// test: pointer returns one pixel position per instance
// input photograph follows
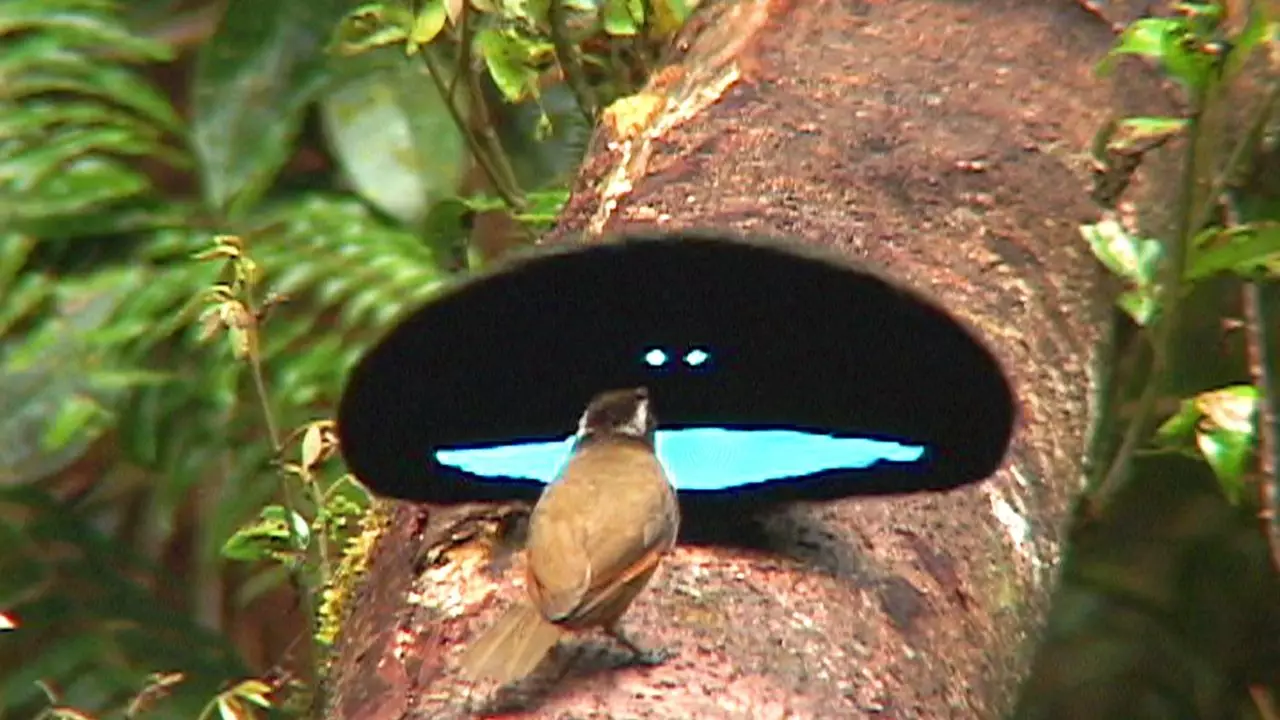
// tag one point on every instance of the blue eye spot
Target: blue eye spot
(696, 357)
(655, 358)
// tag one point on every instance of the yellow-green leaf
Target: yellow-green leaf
(427, 25)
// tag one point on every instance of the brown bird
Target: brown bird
(596, 536)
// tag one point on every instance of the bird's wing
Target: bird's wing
(595, 529)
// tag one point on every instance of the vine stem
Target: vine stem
(1190, 222)
(478, 151)
(570, 64)
(277, 447)
(505, 175)
(296, 574)
(1165, 333)
(1259, 344)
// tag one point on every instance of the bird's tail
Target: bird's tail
(513, 647)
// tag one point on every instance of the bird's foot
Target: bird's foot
(641, 654)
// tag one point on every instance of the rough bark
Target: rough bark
(941, 141)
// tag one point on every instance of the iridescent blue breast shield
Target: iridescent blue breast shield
(776, 373)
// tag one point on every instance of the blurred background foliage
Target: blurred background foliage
(362, 153)
(355, 149)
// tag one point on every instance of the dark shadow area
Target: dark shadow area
(792, 338)
(785, 531)
(788, 531)
(577, 658)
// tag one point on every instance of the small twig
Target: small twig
(570, 64)
(322, 537)
(1258, 335)
(466, 36)
(505, 176)
(468, 134)
(260, 386)
(291, 502)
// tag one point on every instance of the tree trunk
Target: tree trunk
(940, 141)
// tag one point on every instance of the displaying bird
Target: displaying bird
(596, 536)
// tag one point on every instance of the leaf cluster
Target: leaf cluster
(1227, 223)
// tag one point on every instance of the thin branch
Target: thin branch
(1166, 331)
(466, 34)
(300, 587)
(468, 133)
(260, 386)
(505, 176)
(570, 63)
(1258, 333)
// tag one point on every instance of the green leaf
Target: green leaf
(1228, 434)
(78, 417)
(395, 139)
(1188, 65)
(62, 148)
(254, 690)
(1172, 43)
(669, 16)
(1231, 408)
(446, 230)
(33, 120)
(1228, 455)
(623, 18)
(544, 206)
(508, 57)
(1242, 249)
(89, 25)
(38, 65)
(1145, 37)
(531, 13)
(253, 82)
(1140, 304)
(1181, 425)
(427, 25)
(370, 26)
(484, 203)
(269, 537)
(54, 401)
(83, 186)
(1143, 131)
(1132, 258)
(71, 111)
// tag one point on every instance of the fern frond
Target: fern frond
(73, 109)
(87, 625)
(347, 276)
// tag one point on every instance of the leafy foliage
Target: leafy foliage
(1225, 225)
(73, 111)
(132, 449)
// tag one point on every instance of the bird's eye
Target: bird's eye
(655, 358)
(696, 357)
